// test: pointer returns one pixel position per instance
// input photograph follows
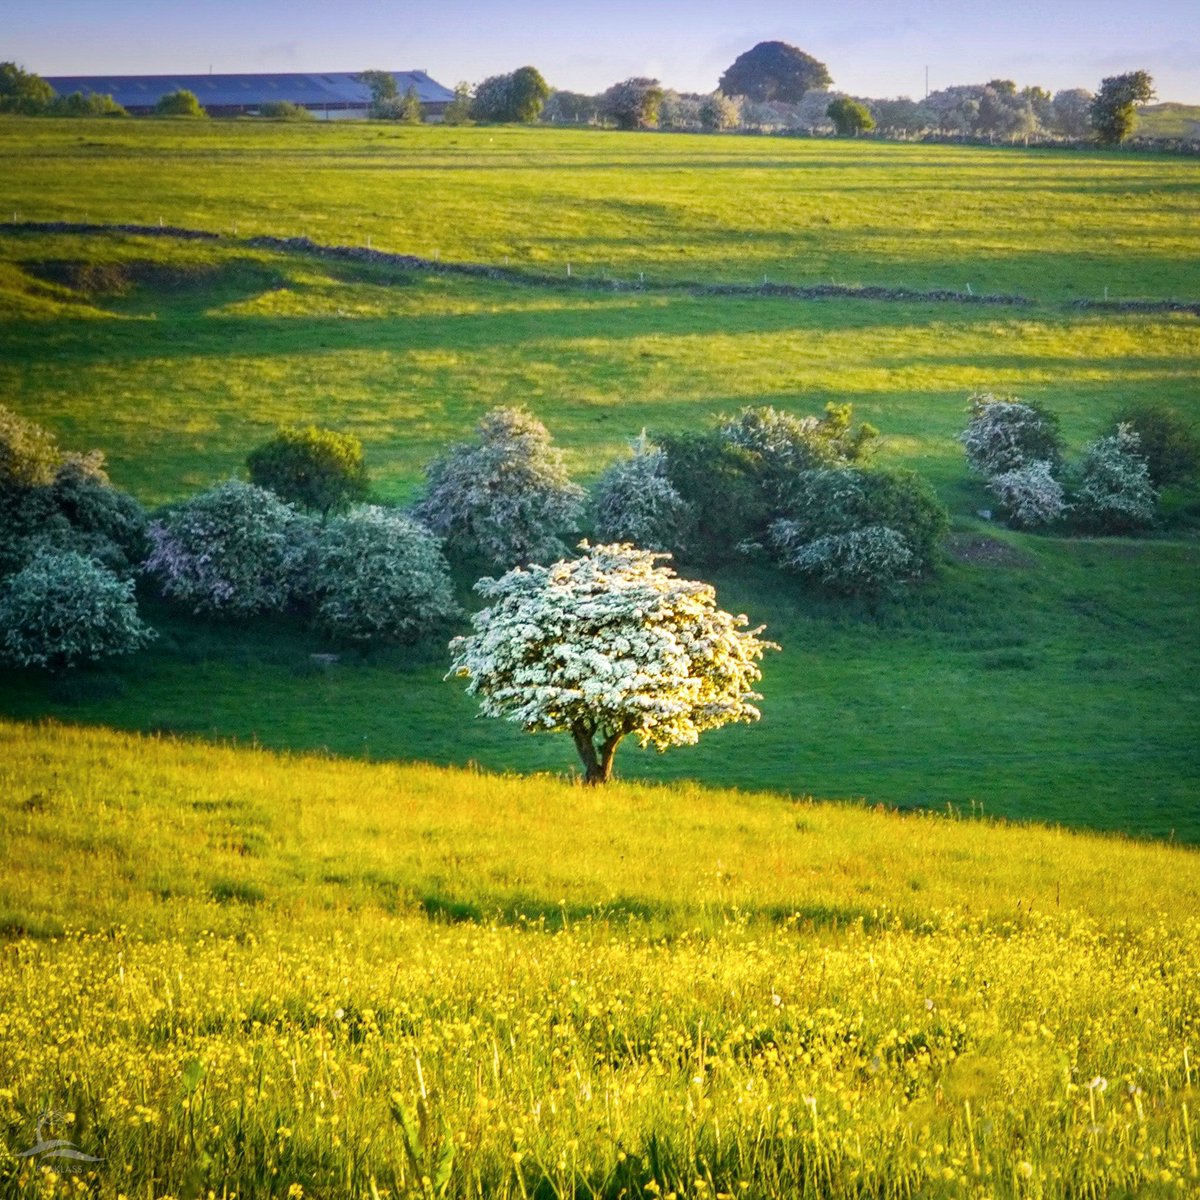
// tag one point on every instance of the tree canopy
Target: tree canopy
(774, 71)
(517, 97)
(1113, 109)
(21, 91)
(608, 645)
(633, 103)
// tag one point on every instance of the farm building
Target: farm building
(331, 96)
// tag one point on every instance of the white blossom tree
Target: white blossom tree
(634, 501)
(507, 497)
(1030, 495)
(608, 645)
(63, 608)
(234, 549)
(380, 576)
(1006, 434)
(1115, 494)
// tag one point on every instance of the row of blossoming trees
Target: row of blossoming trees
(608, 644)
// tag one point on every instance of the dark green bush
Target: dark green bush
(722, 485)
(316, 469)
(1168, 441)
(860, 531)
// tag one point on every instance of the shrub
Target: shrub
(720, 483)
(633, 103)
(1005, 434)
(234, 549)
(22, 91)
(29, 455)
(635, 502)
(873, 558)
(849, 117)
(111, 520)
(64, 501)
(61, 609)
(735, 479)
(785, 443)
(718, 111)
(1030, 496)
(506, 497)
(285, 110)
(380, 576)
(313, 468)
(1114, 493)
(518, 96)
(405, 110)
(94, 104)
(1166, 440)
(180, 104)
(895, 518)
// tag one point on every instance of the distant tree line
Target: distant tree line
(777, 88)
(772, 88)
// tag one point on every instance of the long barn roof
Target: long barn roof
(222, 91)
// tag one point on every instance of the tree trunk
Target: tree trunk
(597, 760)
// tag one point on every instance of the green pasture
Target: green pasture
(1035, 678)
(177, 358)
(1045, 224)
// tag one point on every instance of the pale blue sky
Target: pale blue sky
(871, 47)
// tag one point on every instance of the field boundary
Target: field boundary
(411, 262)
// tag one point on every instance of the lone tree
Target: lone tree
(316, 469)
(1113, 116)
(774, 71)
(849, 117)
(605, 646)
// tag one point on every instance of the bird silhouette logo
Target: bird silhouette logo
(65, 1153)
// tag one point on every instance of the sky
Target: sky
(871, 47)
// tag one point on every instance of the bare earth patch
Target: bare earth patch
(980, 550)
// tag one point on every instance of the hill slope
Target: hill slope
(632, 991)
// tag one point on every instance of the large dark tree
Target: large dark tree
(774, 71)
(1113, 108)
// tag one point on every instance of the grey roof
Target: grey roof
(219, 91)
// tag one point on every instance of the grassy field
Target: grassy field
(1047, 224)
(281, 977)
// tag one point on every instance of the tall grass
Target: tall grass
(285, 976)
